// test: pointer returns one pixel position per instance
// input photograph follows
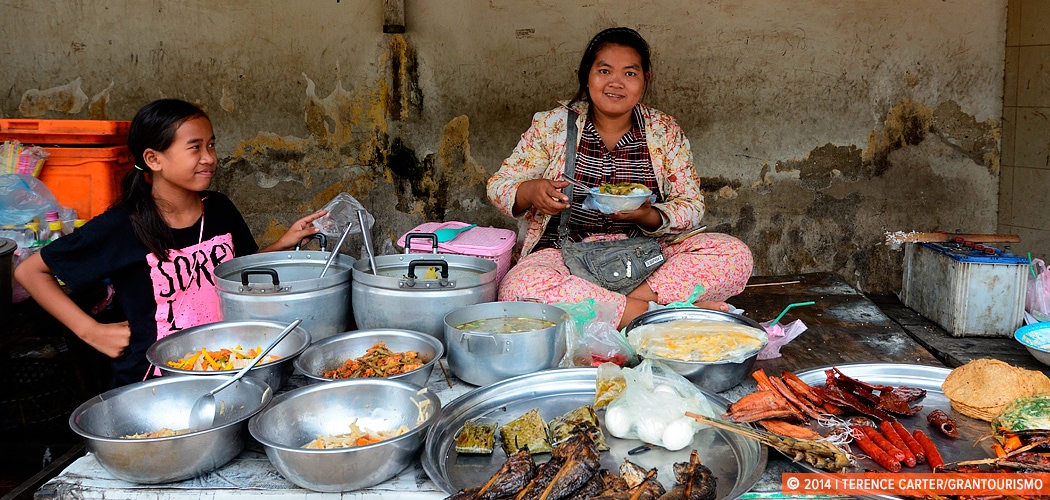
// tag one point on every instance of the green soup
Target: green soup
(506, 325)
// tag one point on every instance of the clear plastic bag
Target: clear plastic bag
(1037, 299)
(649, 386)
(592, 338)
(342, 210)
(24, 197)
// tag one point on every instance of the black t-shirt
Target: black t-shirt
(158, 298)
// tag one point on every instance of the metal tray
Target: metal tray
(736, 461)
(923, 377)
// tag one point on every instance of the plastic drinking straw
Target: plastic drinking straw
(796, 304)
(1031, 268)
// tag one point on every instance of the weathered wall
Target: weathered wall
(815, 126)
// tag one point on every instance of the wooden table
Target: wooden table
(843, 327)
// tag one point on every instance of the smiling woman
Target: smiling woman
(605, 135)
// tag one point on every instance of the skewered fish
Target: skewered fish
(695, 481)
(511, 477)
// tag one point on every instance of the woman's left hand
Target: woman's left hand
(644, 216)
(302, 228)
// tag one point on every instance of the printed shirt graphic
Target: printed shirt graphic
(184, 287)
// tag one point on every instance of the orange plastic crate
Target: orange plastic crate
(88, 158)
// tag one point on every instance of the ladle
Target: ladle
(202, 415)
(367, 233)
(449, 233)
(335, 251)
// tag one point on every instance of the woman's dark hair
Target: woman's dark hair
(153, 127)
(612, 36)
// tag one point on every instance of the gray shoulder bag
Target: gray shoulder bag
(619, 265)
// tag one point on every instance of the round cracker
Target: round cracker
(983, 383)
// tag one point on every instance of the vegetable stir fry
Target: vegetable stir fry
(378, 362)
(223, 359)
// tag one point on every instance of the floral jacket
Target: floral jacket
(541, 154)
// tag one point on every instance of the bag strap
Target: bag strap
(570, 167)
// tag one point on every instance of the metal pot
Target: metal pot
(483, 358)
(282, 286)
(401, 296)
(715, 376)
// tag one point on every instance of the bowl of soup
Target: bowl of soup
(493, 341)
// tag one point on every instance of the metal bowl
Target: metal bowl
(229, 334)
(1036, 338)
(165, 403)
(300, 416)
(715, 376)
(333, 351)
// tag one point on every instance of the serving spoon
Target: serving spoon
(202, 415)
(449, 233)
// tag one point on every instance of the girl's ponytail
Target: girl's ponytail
(153, 127)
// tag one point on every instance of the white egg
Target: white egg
(650, 430)
(678, 434)
(617, 421)
(664, 388)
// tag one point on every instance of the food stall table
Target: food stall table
(844, 327)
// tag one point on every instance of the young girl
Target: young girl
(618, 140)
(158, 245)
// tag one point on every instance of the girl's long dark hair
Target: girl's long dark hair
(153, 127)
(626, 37)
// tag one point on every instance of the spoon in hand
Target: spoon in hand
(202, 416)
(576, 183)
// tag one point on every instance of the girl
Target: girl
(158, 245)
(619, 140)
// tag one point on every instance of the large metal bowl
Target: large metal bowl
(165, 403)
(300, 416)
(229, 334)
(333, 351)
(715, 376)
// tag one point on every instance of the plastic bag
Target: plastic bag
(24, 197)
(342, 210)
(650, 386)
(779, 336)
(1037, 299)
(591, 337)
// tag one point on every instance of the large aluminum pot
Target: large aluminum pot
(483, 358)
(401, 296)
(229, 334)
(283, 286)
(715, 376)
(165, 403)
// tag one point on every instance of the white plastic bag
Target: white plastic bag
(1037, 299)
(653, 404)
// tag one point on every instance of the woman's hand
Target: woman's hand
(302, 228)
(645, 216)
(542, 194)
(110, 339)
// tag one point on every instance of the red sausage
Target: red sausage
(891, 435)
(872, 450)
(882, 442)
(932, 455)
(910, 442)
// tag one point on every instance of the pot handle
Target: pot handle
(481, 348)
(430, 236)
(319, 236)
(427, 263)
(259, 270)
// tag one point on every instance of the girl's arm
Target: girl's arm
(302, 228)
(108, 338)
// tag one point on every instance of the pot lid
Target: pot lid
(282, 272)
(426, 271)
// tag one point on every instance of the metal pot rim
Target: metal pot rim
(228, 274)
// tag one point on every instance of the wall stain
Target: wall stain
(68, 98)
(405, 94)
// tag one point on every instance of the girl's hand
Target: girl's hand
(542, 194)
(302, 228)
(644, 216)
(110, 339)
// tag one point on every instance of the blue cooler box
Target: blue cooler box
(971, 291)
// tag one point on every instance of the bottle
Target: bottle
(54, 229)
(33, 237)
(78, 222)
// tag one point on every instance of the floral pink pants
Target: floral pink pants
(719, 262)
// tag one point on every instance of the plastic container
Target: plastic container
(490, 243)
(87, 159)
(970, 290)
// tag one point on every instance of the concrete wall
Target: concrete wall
(1024, 186)
(816, 126)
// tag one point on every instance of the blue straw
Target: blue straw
(1031, 268)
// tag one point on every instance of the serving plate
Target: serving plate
(736, 461)
(929, 378)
